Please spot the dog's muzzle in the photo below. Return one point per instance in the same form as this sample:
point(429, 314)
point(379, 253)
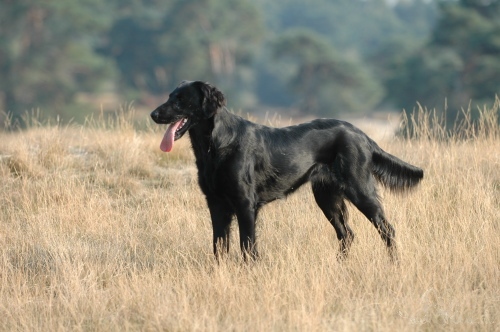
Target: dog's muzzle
point(155, 115)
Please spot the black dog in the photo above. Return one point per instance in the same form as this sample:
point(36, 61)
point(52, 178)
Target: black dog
point(243, 165)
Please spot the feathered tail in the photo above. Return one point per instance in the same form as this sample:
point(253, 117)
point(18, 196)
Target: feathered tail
point(394, 173)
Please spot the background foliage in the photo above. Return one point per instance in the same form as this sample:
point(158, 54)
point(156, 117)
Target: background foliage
point(321, 57)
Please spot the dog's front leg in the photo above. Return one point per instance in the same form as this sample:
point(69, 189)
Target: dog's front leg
point(246, 224)
point(221, 214)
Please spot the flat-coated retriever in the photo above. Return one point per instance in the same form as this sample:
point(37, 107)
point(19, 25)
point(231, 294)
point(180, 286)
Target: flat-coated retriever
point(243, 165)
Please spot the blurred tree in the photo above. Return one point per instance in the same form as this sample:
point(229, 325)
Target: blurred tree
point(46, 53)
point(211, 40)
point(368, 34)
point(360, 25)
point(389, 58)
point(52, 49)
point(134, 47)
point(328, 82)
point(461, 62)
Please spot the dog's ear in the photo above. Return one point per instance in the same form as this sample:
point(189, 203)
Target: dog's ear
point(213, 98)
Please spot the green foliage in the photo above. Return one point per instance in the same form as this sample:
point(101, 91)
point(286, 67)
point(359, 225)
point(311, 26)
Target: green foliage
point(199, 40)
point(460, 62)
point(345, 52)
point(322, 56)
point(46, 53)
point(326, 80)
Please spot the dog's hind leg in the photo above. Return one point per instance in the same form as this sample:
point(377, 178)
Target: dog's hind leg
point(221, 214)
point(361, 191)
point(329, 198)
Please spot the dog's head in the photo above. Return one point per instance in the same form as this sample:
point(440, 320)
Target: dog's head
point(189, 104)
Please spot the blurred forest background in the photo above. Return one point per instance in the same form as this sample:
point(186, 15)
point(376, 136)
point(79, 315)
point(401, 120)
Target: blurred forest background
point(318, 57)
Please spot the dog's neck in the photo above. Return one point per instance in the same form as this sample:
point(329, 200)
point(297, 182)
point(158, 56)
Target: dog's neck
point(201, 138)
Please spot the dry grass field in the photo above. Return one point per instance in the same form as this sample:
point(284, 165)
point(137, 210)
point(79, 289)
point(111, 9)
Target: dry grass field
point(101, 231)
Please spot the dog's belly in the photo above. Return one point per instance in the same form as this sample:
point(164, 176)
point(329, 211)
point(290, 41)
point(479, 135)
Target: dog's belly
point(278, 187)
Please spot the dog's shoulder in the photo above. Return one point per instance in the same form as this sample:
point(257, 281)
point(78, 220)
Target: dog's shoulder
point(229, 131)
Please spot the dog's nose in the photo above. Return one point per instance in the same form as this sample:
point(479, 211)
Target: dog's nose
point(154, 115)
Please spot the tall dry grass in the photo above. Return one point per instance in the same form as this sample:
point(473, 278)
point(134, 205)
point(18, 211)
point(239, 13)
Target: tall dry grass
point(100, 231)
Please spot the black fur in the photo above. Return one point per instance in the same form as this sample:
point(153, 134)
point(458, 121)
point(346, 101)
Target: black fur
point(243, 165)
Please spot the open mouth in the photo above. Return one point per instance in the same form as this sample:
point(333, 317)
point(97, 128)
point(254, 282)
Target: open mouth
point(174, 131)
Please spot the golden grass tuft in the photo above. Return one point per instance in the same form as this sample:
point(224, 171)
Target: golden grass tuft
point(101, 231)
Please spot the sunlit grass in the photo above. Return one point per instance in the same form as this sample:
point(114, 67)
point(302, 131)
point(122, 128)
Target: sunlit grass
point(100, 230)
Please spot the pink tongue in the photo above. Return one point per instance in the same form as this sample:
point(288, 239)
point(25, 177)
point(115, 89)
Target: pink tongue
point(168, 139)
